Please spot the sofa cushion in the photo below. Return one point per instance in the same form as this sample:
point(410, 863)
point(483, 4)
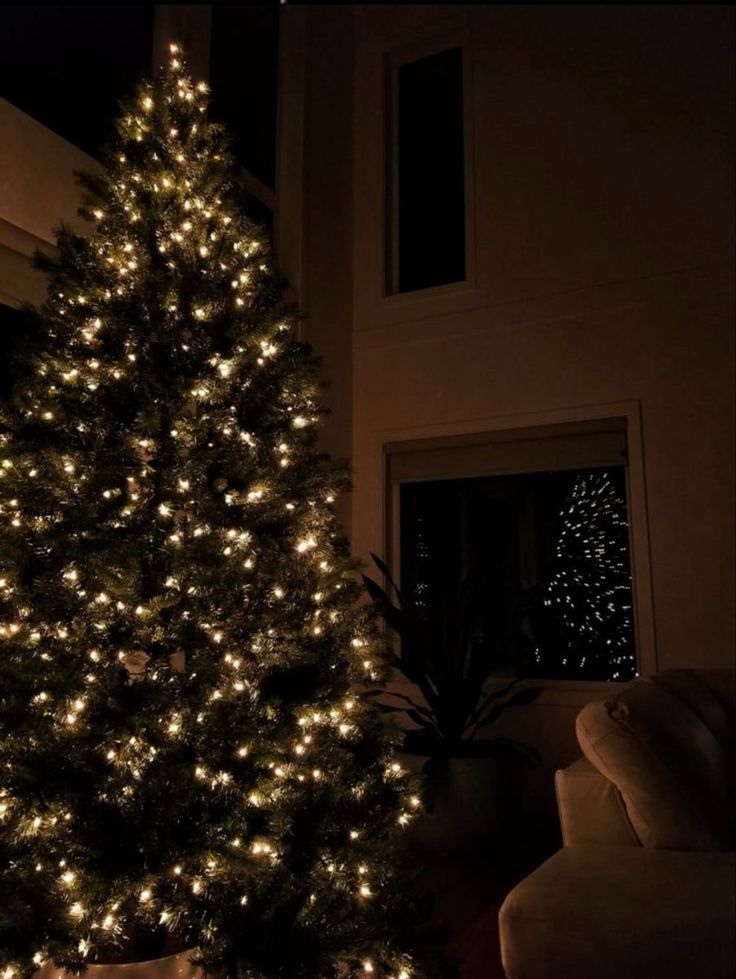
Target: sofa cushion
point(608, 912)
point(590, 807)
point(701, 691)
point(673, 774)
point(723, 685)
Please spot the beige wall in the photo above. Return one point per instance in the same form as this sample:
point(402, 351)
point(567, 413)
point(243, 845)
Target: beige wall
point(601, 187)
point(37, 192)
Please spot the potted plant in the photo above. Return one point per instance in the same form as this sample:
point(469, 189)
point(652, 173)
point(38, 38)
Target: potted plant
point(471, 782)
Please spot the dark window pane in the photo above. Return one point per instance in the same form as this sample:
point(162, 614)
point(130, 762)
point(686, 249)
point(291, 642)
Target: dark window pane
point(429, 197)
point(533, 568)
point(243, 70)
point(67, 66)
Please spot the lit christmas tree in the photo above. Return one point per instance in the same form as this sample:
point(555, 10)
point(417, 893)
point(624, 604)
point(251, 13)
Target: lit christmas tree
point(182, 749)
point(589, 592)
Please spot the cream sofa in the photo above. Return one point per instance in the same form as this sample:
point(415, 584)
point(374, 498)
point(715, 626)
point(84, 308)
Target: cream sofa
point(644, 885)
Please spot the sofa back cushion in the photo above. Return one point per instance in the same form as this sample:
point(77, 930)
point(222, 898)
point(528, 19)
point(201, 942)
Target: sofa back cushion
point(706, 693)
point(673, 773)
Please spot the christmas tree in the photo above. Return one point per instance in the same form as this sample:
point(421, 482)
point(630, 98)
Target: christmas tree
point(589, 592)
point(184, 756)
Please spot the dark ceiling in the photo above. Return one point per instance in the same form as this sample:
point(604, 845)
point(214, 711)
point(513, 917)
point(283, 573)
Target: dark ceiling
point(68, 65)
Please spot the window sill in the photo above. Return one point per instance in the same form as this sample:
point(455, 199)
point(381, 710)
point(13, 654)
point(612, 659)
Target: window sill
point(422, 303)
point(555, 693)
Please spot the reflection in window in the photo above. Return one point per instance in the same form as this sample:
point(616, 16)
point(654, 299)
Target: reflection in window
point(538, 565)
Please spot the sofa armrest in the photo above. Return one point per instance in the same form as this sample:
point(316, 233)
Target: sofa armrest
point(591, 808)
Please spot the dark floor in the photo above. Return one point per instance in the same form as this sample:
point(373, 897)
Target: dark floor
point(470, 889)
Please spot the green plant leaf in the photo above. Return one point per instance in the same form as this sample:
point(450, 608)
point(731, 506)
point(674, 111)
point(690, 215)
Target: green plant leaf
point(400, 696)
point(391, 615)
point(393, 709)
point(375, 591)
point(508, 746)
point(491, 697)
point(383, 568)
point(519, 699)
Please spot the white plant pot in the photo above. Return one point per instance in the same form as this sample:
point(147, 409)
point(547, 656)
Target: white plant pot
point(171, 967)
point(473, 804)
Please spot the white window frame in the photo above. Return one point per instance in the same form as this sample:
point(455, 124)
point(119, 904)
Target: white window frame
point(483, 431)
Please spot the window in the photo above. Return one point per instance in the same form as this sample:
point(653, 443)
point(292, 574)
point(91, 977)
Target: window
point(243, 69)
point(426, 174)
point(533, 550)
